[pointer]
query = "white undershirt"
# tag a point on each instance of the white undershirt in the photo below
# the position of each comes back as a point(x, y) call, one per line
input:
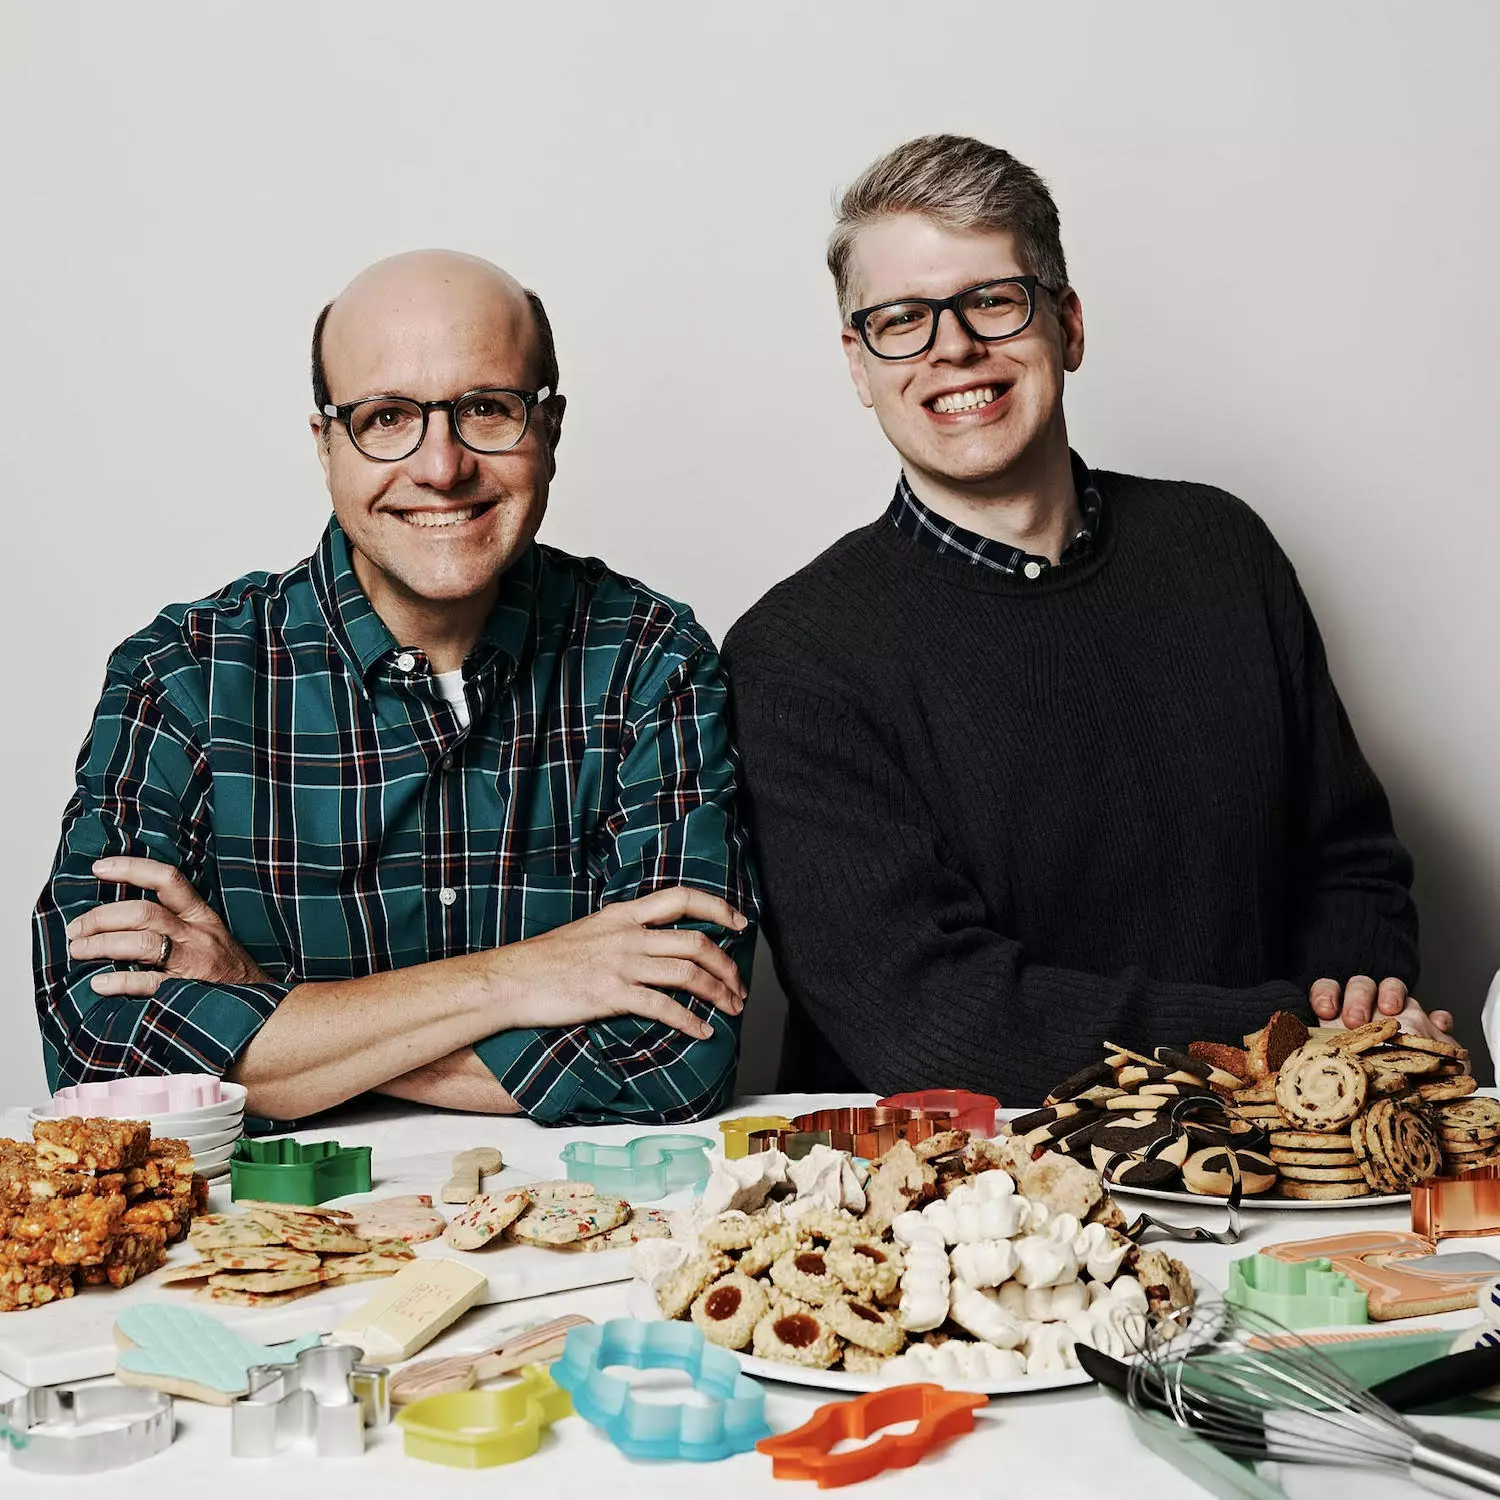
point(451, 686)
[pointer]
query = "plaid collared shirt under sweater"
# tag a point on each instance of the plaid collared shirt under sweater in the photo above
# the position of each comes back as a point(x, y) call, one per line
point(923, 524)
point(304, 771)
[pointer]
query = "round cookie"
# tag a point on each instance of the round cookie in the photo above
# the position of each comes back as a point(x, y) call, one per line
point(677, 1293)
point(1442, 1046)
point(1321, 1089)
point(796, 1334)
point(1286, 1158)
point(867, 1327)
point(1320, 1192)
point(803, 1273)
point(728, 1309)
point(484, 1217)
point(1362, 1038)
point(868, 1269)
point(859, 1361)
point(1448, 1088)
point(1292, 1173)
point(1311, 1140)
point(1134, 1171)
point(562, 1221)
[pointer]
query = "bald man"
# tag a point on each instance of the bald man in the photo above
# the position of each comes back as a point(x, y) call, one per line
point(441, 812)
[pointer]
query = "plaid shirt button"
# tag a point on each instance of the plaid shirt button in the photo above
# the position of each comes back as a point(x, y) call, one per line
point(447, 895)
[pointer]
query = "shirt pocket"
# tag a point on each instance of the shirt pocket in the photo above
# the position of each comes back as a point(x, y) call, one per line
point(539, 900)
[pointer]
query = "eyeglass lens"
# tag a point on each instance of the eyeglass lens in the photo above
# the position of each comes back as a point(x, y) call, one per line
point(995, 311)
point(389, 427)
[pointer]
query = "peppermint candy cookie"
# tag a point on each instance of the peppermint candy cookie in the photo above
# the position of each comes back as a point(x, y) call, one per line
point(486, 1216)
point(728, 1309)
point(1321, 1088)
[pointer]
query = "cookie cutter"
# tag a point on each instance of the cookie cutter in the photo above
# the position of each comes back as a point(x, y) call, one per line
point(326, 1395)
point(1297, 1294)
point(85, 1429)
point(736, 1132)
point(806, 1451)
point(136, 1098)
point(650, 1166)
point(972, 1112)
point(865, 1132)
point(479, 1429)
point(288, 1171)
point(732, 1420)
point(1443, 1207)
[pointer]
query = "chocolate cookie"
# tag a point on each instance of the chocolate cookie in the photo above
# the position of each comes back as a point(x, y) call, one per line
point(1099, 1072)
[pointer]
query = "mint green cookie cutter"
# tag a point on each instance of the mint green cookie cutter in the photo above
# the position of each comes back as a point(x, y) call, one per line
point(283, 1170)
point(159, 1340)
point(650, 1166)
point(479, 1429)
point(1298, 1294)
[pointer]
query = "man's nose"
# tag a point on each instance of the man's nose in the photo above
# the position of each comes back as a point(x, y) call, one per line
point(952, 340)
point(442, 461)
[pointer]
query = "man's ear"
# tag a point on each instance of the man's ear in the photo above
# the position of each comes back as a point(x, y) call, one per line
point(555, 410)
point(854, 352)
point(319, 442)
point(1070, 320)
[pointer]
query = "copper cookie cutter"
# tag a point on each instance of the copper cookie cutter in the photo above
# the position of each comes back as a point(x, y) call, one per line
point(1443, 1207)
point(866, 1132)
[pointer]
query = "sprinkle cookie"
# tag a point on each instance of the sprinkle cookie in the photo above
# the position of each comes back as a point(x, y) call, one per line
point(486, 1216)
point(561, 1222)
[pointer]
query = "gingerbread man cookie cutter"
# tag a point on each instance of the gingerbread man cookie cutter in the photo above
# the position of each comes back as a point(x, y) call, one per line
point(806, 1451)
point(326, 1395)
point(479, 1429)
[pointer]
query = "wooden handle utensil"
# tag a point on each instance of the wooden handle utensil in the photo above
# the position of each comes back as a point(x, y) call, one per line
point(468, 1168)
point(462, 1372)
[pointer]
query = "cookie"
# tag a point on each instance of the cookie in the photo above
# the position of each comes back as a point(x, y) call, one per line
point(237, 1297)
point(1132, 1171)
point(1321, 1089)
point(795, 1334)
point(643, 1224)
point(323, 1238)
point(942, 1143)
point(803, 1273)
point(678, 1292)
point(1293, 1173)
point(1115, 1050)
point(236, 1232)
point(562, 1221)
point(1322, 1192)
point(1361, 1038)
point(1473, 1114)
point(898, 1180)
point(1037, 1118)
point(1312, 1140)
point(772, 1243)
point(868, 1270)
point(1441, 1046)
point(265, 1260)
point(486, 1216)
point(1133, 1075)
point(1284, 1157)
point(1267, 1049)
point(859, 1361)
point(1448, 1088)
point(554, 1188)
point(411, 1218)
point(1095, 1073)
point(728, 1309)
point(864, 1326)
point(1227, 1059)
point(341, 1269)
point(264, 1281)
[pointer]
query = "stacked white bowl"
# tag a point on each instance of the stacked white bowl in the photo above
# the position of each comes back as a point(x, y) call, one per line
point(206, 1112)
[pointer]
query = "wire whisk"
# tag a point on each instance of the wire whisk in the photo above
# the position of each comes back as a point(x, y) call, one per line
point(1256, 1390)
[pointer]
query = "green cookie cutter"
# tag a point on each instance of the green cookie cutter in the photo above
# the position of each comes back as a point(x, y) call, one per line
point(1298, 1294)
point(736, 1132)
point(288, 1171)
point(651, 1166)
point(479, 1429)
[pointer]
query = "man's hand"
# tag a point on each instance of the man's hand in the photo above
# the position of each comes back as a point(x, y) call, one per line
point(131, 932)
point(1361, 999)
point(620, 961)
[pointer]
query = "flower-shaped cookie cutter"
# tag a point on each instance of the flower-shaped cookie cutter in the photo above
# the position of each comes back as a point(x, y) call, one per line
point(1298, 1294)
point(479, 1429)
point(806, 1451)
point(325, 1395)
point(733, 1419)
point(138, 1098)
point(284, 1170)
point(650, 1166)
point(972, 1112)
point(862, 1132)
point(1443, 1207)
point(86, 1429)
point(737, 1132)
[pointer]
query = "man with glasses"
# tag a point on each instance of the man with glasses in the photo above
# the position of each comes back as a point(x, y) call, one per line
point(1045, 755)
point(441, 812)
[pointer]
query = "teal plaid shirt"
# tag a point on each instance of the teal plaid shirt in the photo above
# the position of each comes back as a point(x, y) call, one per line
point(303, 770)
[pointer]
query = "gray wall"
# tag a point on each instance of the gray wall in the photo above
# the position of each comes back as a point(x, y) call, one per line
point(1281, 218)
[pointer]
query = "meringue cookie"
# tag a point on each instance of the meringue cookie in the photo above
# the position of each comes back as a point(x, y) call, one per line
point(998, 1219)
point(985, 1262)
point(1111, 1329)
point(1127, 1292)
point(1012, 1296)
point(1056, 1304)
point(1043, 1262)
point(988, 1187)
point(912, 1228)
point(827, 1177)
point(924, 1288)
point(1064, 1228)
point(981, 1314)
point(955, 1360)
point(743, 1183)
point(1049, 1349)
point(1101, 1251)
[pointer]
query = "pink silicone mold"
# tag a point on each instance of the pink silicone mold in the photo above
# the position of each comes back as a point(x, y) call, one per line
point(136, 1098)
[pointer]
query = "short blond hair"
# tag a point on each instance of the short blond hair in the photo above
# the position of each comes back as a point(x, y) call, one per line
point(962, 184)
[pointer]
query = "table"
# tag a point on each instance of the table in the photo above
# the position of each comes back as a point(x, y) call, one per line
point(1072, 1444)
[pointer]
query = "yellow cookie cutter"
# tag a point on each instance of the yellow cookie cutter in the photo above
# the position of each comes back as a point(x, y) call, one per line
point(736, 1132)
point(479, 1429)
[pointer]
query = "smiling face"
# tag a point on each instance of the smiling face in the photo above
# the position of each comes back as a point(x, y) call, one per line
point(967, 416)
point(434, 531)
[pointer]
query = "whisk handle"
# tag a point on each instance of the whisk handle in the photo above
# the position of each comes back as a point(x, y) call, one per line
point(1449, 1468)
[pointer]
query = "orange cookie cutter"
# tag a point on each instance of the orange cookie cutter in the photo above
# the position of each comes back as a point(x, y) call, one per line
point(1443, 1207)
point(867, 1132)
point(972, 1112)
point(805, 1452)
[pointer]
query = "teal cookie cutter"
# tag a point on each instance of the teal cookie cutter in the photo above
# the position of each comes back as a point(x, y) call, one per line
point(1298, 1294)
point(733, 1419)
point(290, 1171)
point(158, 1340)
point(651, 1166)
point(479, 1429)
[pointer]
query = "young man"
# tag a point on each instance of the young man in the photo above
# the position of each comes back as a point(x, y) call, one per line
point(1044, 755)
point(424, 814)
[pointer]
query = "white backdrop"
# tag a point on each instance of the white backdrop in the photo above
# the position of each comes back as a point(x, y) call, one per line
point(1281, 218)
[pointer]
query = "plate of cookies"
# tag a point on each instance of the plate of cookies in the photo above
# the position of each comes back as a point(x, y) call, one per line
point(1293, 1117)
point(965, 1262)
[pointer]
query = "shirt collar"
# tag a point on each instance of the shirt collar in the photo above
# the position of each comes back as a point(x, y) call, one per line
point(926, 527)
point(360, 635)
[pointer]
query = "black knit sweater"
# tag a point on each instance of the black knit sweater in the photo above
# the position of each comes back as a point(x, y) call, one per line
point(1000, 821)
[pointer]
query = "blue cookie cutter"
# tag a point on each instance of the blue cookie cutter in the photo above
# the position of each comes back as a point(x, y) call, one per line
point(733, 1421)
point(651, 1166)
point(290, 1171)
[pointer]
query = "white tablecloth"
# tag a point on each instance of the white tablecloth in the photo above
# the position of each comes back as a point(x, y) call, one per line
point(1070, 1444)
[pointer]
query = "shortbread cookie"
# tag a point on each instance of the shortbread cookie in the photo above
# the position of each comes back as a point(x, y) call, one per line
point(899, 1179)
point(643, 1224)
point(803, 1273)
point(1215, 1169)
point(728, 1309)
point(677, 1293)
point(1293, 1173)
point(231, 1232)
point(1311, 1140)
point(485, 1217)
point(859, 1361)
point(237, 1297)
point(560, 1187)
point(411, 1218)
point(869, 1270)
point(1448, 1088)
point(733, 1230)
point(265, 1260)
point(1283, 1157)
point(1317, 1192)
point(795, 1333)
point(1442, 1046)
point(1085, 1078)
point(1361, 1038)
point(565, 1220)
point(772, 1243)
point(865, 1326)
point(1321, 1089)
point(264, 1281)
point(323, 1239)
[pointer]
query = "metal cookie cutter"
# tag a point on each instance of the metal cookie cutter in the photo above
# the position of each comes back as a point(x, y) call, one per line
point(972, 1112)
point(861, 1132)
point(65, 1429)
point(327, 1395)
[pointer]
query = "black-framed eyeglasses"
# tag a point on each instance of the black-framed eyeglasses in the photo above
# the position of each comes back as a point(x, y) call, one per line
point(990, 311)
point(389, 428)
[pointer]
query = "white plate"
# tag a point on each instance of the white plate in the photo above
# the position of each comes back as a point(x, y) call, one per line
point(640, 1302)
point(197, 1143)
point(228, 1111)
point(1204, 1200)
point(207, 1161)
